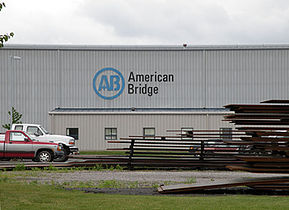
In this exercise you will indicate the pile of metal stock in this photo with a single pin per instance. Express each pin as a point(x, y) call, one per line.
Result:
point(266, 127)
point(262, 133)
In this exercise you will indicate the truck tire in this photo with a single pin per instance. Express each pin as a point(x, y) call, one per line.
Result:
point(64, 157)
point(44, 156)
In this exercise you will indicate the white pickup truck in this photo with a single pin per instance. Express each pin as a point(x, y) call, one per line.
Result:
point(40, 134)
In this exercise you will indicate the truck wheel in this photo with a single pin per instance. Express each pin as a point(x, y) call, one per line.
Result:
point(64, 157)
point(44, 156)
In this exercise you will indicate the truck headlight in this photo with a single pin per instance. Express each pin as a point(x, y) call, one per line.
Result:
point(71, 142)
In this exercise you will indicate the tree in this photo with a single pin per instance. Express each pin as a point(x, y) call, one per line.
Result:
point(16, 116)
point(4, 37)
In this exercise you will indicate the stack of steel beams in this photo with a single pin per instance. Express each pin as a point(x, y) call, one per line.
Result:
point(202, 149)
point(267, 125)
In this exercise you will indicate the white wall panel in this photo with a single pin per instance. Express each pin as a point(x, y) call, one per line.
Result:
point(47, 77)
point(91, 127)
point(246, 76)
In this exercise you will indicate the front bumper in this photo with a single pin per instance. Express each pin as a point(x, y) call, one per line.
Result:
point(58, 154)
point(74, 150)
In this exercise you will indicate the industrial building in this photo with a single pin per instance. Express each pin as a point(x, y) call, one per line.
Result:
point(99, 93)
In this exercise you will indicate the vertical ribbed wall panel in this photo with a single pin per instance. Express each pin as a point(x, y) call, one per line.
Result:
point(45, 79)
point(91, 127)
point(4, 87)
point(30, 84)
point(79, 68)
point(202, 78)
point(246, 76)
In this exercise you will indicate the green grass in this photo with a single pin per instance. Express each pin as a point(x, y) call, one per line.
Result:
point(105, 152)
point(35, 196)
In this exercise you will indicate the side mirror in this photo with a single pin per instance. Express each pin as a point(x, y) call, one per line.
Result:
point(36, 134)
point(26, 139)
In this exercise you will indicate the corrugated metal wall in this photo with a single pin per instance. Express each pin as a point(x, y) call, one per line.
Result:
point(50, 77)
point(246, 76)
point(91, 127)
point(79, 68)
point(29, 83)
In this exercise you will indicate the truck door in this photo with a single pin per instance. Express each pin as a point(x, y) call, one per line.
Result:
point(19, 145)
point(34, 131)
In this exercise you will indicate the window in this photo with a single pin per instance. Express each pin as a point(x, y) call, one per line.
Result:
point(185, 131)
point(43, 129)
point(15, 136)
point(33, 130)
point(226, 133)
point(110, 133)
point(73, 132)
point(18, 128)
point(149, 132)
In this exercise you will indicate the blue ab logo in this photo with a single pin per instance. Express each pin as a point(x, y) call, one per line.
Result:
point(108, 83)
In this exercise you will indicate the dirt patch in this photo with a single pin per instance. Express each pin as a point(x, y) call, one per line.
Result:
point(153, 191)
point(122, 191)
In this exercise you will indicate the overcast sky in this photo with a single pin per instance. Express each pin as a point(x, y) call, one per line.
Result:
point(146, 22)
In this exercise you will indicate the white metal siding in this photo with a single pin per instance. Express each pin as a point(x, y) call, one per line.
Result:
point(246, 76)
point(28, 84)
point(50, 77)
point(91, 127)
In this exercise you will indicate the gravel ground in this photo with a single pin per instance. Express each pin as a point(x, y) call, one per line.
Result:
point(160, 177)
point(145, 180)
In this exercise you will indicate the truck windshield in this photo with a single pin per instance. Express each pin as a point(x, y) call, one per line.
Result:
point(43, 129)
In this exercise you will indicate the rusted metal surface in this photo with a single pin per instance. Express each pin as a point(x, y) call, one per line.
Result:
point(200, 149)
point(265, 144)
point(217, 185)
point(273, 101)
point(269, 144)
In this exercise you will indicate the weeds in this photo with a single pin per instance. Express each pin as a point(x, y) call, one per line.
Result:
point(110, 184)
point(4, 179)
point(34, 182)
point(50, 168)
point(191, 180)
point(100, 184)
point(98, 167)
point(134, 184)
point(118, 167)
point(19, 167)
point(35, 169)
point(155, 185)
